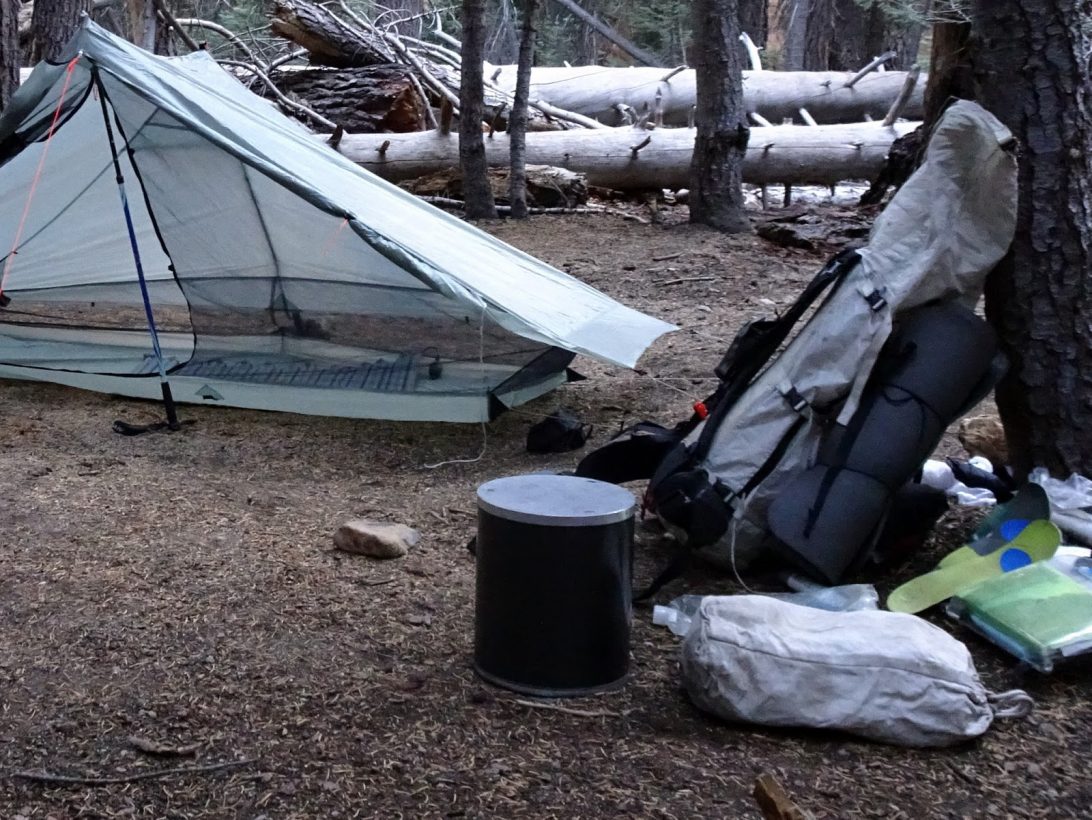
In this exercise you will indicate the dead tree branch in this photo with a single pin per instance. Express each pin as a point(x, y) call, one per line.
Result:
point(42, 776)
point(194, 22)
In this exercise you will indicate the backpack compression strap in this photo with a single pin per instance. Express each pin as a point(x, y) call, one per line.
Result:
point(688, 497)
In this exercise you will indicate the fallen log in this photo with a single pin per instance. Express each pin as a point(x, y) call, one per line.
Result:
point(639, 159)
point(360, 100)
point(328, 38)
point(546, 187)
point(605, 93)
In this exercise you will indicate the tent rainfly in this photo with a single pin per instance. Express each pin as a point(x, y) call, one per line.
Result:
point(247, 264)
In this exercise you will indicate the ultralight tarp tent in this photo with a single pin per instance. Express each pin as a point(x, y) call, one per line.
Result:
point(279, 275)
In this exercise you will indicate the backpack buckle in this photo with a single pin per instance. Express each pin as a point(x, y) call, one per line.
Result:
point(873, 295)
point(794, 399)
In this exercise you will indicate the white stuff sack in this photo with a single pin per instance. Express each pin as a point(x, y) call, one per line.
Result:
point(887, 676)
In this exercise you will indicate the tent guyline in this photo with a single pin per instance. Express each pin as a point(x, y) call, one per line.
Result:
point(165, 386)
point(272, 273)
point(10, 261)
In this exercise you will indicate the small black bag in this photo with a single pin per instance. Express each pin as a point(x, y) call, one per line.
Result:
point(559, 433)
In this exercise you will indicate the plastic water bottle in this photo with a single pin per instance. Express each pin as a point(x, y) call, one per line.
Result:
point(673, 619)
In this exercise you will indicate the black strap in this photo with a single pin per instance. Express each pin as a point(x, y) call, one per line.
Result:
point(124, 428)
point(758, 341)
point(681, 561)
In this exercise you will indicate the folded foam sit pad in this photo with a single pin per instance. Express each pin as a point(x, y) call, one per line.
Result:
point(1004, 523)
point(1035, 542)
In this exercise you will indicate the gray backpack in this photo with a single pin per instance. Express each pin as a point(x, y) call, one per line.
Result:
point(802, 453)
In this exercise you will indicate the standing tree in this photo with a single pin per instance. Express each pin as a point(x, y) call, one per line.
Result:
point(472, 161)
point(1032, 59)
point(53, 25)
point(753, 20)
point(9, 50)
point(844, 35)
point(517, 120)
point(142, 24)
point(951, 73)
point(716, 172)
point(792, 17)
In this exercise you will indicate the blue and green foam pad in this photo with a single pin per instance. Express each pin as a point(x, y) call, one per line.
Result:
point(1037, 541)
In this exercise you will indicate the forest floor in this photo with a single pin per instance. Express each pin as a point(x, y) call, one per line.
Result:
point(182, 589)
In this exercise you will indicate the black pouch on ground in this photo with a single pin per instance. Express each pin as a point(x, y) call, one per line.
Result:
point(1001, 486)
point(633, 454)
point(939, 359)
point(558, 433)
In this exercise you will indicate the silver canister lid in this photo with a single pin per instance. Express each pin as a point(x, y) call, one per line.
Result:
point(556, 500)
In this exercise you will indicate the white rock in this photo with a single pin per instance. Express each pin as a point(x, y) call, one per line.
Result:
point(375, 538)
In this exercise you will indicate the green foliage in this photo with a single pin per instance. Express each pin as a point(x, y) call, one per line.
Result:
point(660, 26)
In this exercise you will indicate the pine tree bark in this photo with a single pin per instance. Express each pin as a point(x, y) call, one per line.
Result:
point(753, 20)
point(795, 14)
point(716, 171)
point(950, 70)
point(9, 50)
point(472, 160)
point(142, 24)
point(1031, 59)
point(54, 24)
point(517, 120)
point(844, 35)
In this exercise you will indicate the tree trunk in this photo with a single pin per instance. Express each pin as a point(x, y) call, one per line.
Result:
point(795, 14)
point(1032, 60)
point(753, 21)
point(9, 50)
point(600, 93)
point(904, 38)
point(501, 35)
point(479, 195)
point(517, 120)
point(845, 35)
point(632, 159)
point(716, 171)
point(142, 24)
point(950, 70)
point(54, 23)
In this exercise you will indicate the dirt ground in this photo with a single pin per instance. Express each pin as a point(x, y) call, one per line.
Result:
point(183, 589)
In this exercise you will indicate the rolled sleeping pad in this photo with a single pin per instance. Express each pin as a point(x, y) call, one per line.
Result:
point(826, 516)
point(957, 347)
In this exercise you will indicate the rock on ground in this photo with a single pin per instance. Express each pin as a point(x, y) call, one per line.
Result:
point(375, 538)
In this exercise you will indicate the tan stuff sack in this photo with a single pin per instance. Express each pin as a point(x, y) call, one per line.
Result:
point(882, 675)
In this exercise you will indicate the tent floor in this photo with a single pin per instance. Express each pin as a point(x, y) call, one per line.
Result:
point(395, 373)
point(339, 401)
point(258, 373)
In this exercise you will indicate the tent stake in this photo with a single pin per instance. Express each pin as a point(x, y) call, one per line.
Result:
point(165, 387)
